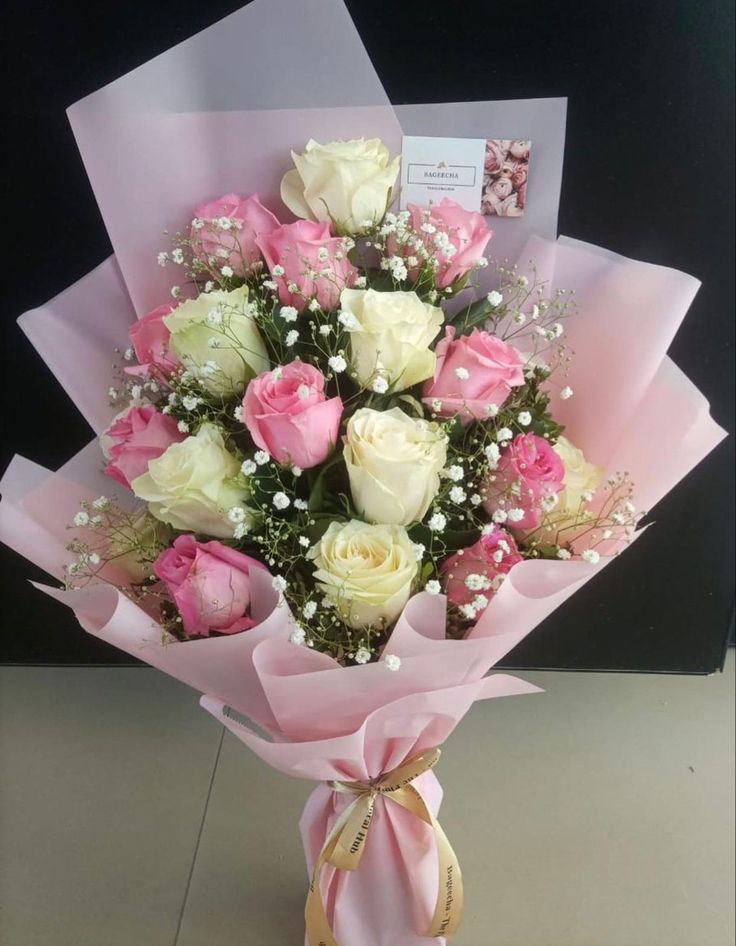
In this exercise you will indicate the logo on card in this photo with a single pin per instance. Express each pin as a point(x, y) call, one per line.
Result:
point(459, 175)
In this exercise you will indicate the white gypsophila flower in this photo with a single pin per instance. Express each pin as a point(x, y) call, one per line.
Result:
point(566, 393)
point(280, 583)
point(492, 410)
point(209, 286)
point(325, 330)
point(190, 402)
point(314, 306)
point(499, 516)
point(292, 338)
point(607, 533)
point(591, 556)
point(301, 504)
point(177, 256)
point(309, 610)
point(281, 500)
point(361, 282)
point(629, 507)
point(261, 457)
point(162, 259)
point(493, 455)
point(564, 554)
point(462, 373)
point(183, 427)
point(455, 473)
point(418, 550)
point(236, 514)
point(437, 405)
point(102, 502)
point(494, 299)
point(379, 385)
point(392, 662)
point(504, 434)
point(296, 470)
point(468, 611)
point(304, 541)
point(288, 313)
point(524, 418)
point(298, 635)
point(458, 494)
point(240, 530)
point(619, 518)
point(136, 391)
point(433, 587)
point(362, 656)
point(238, 413)
point(128, 354)
point(248, 467)
point(515, 515)
point(278, 270)
point(337, 363)
point(81, 519)
point(477, 582)
point(437, 522)
point(519, 318)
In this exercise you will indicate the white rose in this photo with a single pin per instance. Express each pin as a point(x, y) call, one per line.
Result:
point(191, 486)
point(390, 335)
point(239, 354)
point(393, 462)
point(580, 477)
point(366, 570)
point(347, 182)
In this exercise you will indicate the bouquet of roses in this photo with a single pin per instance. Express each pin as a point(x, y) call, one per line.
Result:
point(351, 464)
point(311, 409)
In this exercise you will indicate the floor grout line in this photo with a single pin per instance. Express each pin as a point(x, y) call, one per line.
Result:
point(185, 898)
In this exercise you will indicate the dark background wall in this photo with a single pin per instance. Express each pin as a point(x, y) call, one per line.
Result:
point(648, 173)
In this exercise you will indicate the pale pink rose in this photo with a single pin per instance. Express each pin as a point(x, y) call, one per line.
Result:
point(466, 230)
point(150, 339)
point(140, 435)
point(529, 473)
point(520, 150)
point(492, 367)
point(287, 414)
point(235, 244)
point(495, 156)
point(210, 585)
point(519, 176)
point(491, 557)
point(315, 264)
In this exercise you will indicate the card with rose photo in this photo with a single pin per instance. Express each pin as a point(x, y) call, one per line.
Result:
point(505, 177)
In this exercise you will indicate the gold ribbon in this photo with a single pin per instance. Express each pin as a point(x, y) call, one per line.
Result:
point(345, 844)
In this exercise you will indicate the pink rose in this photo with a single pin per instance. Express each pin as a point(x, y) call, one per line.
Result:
point(529, 473)
point(150, 339)
point(519, 176)
point(495, 156)
point(521, 196)
point(210, 585)
point(472, 372)
point(287, 414)
point(312, 260)
point(230, 228)
point(466, 231)
point(140, 435)
point(492, 557)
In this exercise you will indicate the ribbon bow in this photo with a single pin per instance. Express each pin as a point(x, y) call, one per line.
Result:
point(345, 844)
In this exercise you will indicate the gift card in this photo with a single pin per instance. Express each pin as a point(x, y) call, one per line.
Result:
point(435, 168)
point(505, 176)
point(487, 175)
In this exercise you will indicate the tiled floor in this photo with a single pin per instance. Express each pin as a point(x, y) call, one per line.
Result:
point(606, 806)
